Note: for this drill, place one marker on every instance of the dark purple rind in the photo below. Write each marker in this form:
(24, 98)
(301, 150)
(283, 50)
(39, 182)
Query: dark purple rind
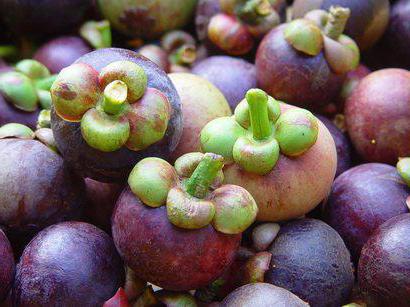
(10, 114)
(61, 52)
(384, 266)
(310, 259)
(37, 185)
(68, 264)
(362, 199)
(115, 166)
(232, 76)
(6, 266)
(165, 255)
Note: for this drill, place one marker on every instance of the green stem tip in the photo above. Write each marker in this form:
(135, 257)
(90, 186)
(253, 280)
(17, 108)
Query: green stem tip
(336, 24)
(258, 111)
(204, 175)
(115, 95)
(97, 33)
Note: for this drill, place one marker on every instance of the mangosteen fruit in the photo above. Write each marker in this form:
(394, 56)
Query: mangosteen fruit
(157, 55)
(112, 108)
(6, 266)
(179, 227)
(70, 263)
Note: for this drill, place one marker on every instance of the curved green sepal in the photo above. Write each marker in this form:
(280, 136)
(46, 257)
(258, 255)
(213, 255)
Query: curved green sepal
(151, 179)
(45, 83)
(104, 132)
(235, 209)
(97, 33)
(44, 119)
(296, 131)
(19, 90)
(14, 130)
(32, 69)
(304, 36)
(44, 97)
(403, 167)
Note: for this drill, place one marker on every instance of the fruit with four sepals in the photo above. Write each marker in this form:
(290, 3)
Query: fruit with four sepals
(70, 263)
(7, 266)
(201, 102)
(305, 61)
(111, 109)
(178, 227)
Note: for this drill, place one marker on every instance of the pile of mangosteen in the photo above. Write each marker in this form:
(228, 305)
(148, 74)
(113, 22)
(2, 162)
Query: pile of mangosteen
(226, 153)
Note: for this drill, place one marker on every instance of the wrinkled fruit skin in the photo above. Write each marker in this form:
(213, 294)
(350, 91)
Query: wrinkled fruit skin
(36, 188)
(201, 103)
(168, 256)
(68, 264)
(10, 114)
(343, 146)
(295, 185)
(234, 80)
(384, 266)
(310, 259)
(146, 18)
(377, 116)
(115, 166)
(287, 75)
(6, 266)
(367, 22)
(357, 203)
(43, 16)
(61, 52)
(262, 294)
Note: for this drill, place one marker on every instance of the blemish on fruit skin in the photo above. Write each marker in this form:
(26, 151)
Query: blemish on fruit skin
(65, 92)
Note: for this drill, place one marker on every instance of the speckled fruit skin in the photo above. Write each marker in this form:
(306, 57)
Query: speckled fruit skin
(43, 16)
(378, 116)
(61, 52)
(10, 114)
(6, 266)
(343, 146)
(310, 259)
(36, 188)
(115, 166)
(295, 185)
(165, 255)
(367, 22)
(384, 266)
(201, 103)
(262, 294)
(232, 76)
(146, 18)
(362, 199)
(68, 264)
(289, 75)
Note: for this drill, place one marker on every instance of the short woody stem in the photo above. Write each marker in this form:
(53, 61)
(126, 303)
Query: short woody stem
(184, 55)
(258, 109)
(115, 95)
(204, 175)
(336, 24)
(251, 10)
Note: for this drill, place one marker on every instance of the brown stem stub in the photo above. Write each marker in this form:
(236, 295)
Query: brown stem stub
(336, 24)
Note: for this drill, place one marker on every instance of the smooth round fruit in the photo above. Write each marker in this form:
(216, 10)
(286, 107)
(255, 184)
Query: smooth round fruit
(378, 116)
(232, 76)
(61, 52)
(262, 294)
(384, 266)
(201, 103)
(310, 259)
(170, 257)
(6, 266)
(67, 264)
(115, 166)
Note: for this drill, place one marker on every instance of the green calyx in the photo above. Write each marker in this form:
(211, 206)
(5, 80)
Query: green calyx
(192, 193)
(14, 130)
(115, 107)
(19, 90)
(32, 69)
(258, 132)
(304, 36)
(251, 10)
(44, 119)
(403, 167)
(97, 33)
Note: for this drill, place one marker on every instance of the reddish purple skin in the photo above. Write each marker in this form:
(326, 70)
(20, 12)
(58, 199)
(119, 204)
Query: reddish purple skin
(205, 10)
(10, 114)
(362, 199)
(291, 76)
(343, 146)
(310, 259)
(378, 116)
(36, 188)
(165, 255)
(115, 166)
(6, 266)
(232, 76)
(68, 264)
(61, 52)
(384, 266)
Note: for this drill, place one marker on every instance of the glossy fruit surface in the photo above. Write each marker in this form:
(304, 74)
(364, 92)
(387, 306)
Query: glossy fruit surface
(6, 266)
(70, 263)
(384, 265)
